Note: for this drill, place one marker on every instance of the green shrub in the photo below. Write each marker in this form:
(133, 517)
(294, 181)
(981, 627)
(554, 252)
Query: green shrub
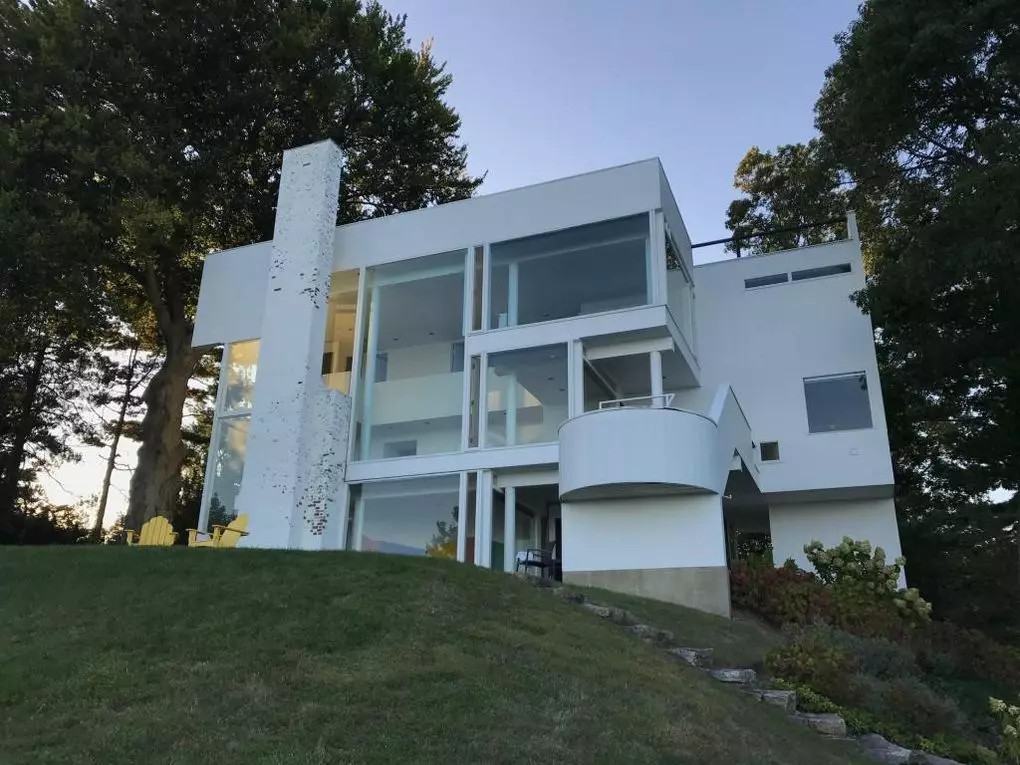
(874, 656)
(947, 650)
(1009, 721)
(810, 658)
(862, 574)
(908, 704)
(780, 595)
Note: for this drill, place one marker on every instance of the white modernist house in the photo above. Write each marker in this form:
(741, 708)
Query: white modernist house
(543, 368)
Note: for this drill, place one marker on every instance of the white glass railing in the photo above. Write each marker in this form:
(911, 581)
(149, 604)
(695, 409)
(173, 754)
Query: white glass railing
(655, 401)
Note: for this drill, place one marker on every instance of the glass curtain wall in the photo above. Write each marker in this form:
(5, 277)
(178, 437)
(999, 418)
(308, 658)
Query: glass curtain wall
(578, 271)
(230, 431)
(412, 367)
(416, 516)
(338, 350)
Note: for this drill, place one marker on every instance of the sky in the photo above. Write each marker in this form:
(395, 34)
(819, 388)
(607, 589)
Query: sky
(551, 88)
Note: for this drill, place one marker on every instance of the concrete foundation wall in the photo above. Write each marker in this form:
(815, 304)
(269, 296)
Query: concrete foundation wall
(706, 588)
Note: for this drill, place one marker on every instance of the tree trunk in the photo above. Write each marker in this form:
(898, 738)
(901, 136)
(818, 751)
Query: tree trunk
(156, 483)
(23, 429)
(111, 459)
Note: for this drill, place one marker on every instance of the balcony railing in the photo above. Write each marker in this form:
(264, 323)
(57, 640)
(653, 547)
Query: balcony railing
(655, 401)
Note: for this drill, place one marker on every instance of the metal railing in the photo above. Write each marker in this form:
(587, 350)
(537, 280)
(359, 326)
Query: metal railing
(621, 403)
(736, 240)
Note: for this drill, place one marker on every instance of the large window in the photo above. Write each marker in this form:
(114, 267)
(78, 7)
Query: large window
(526, 396)
(416, 516)
(338, 350)
(412, 362)
(230, 432)
(599, 267)
(837, 402)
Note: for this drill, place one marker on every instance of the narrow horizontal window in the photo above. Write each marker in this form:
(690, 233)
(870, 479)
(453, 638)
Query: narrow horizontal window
(839, 402)
(765, 281)
(815, 273)
(769, 451)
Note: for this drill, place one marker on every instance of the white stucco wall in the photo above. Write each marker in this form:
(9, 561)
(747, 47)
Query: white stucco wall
(231, 300)
(643, 533)
(293, 484)
(795, 525)
(765, 341)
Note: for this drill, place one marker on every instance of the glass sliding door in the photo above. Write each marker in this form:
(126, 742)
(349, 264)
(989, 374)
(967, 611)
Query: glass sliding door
(414, 516)
(412, 369)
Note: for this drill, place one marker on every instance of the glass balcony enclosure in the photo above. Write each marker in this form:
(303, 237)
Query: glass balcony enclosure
(589, 269)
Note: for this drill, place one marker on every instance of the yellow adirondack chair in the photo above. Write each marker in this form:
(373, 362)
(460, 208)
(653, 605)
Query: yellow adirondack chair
(156, 532)
(221, 536)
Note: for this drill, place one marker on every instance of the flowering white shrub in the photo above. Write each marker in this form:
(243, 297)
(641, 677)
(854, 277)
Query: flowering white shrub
(852, 565)
(1009, 719)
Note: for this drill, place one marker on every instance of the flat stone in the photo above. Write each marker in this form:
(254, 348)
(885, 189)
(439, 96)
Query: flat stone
(602, 611)
(696, 657)
(917, 757)
(785, 700)
(647, 632)
(743, 676)
(883, 750)
(827, 724)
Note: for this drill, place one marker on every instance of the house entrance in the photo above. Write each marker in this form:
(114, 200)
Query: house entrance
(527, 530)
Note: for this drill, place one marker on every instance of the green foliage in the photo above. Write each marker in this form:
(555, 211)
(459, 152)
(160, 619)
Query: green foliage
(1008, 716)
(920, 134)
(146, 134)
(811, 659)
(853, 571)
(783, 189)
(875, 656)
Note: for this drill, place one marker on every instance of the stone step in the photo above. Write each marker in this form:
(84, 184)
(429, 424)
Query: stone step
(882, 750)
(652, 634)
(696, 657)
(827, 724)
(785, 700)
(740, 676)
(616, 615)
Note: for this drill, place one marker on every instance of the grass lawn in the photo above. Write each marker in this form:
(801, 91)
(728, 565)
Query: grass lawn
(126, 655)
(739, 642)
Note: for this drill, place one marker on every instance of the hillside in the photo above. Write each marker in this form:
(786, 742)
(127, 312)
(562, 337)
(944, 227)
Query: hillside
(119, 655)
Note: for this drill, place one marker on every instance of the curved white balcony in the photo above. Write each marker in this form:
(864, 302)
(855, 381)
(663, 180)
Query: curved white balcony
(636, 451)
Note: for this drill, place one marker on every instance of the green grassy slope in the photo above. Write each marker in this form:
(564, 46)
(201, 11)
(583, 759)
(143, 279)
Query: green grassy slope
(118, 655)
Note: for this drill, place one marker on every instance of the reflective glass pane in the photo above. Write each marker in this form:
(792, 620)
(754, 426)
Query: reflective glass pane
(837, 403)
(413, 358)
(527, 395)
(415, 516)
(242, 365)
(228, 468)
(338, 349)
(588, 269)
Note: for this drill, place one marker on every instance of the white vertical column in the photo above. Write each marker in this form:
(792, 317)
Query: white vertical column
(295, 459)
(372, 359)
(509, 528)
(462, 517)
(510, 404)
(655, 366)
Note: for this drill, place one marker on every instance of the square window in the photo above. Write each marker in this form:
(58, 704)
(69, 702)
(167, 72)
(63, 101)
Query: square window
(769, 451)
(837, 402)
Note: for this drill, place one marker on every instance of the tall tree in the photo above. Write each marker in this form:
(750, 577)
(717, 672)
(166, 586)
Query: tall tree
(785, 189)
(174, 114)
(921, 114)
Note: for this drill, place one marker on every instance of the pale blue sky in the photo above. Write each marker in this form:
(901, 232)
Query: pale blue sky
(549, 88)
